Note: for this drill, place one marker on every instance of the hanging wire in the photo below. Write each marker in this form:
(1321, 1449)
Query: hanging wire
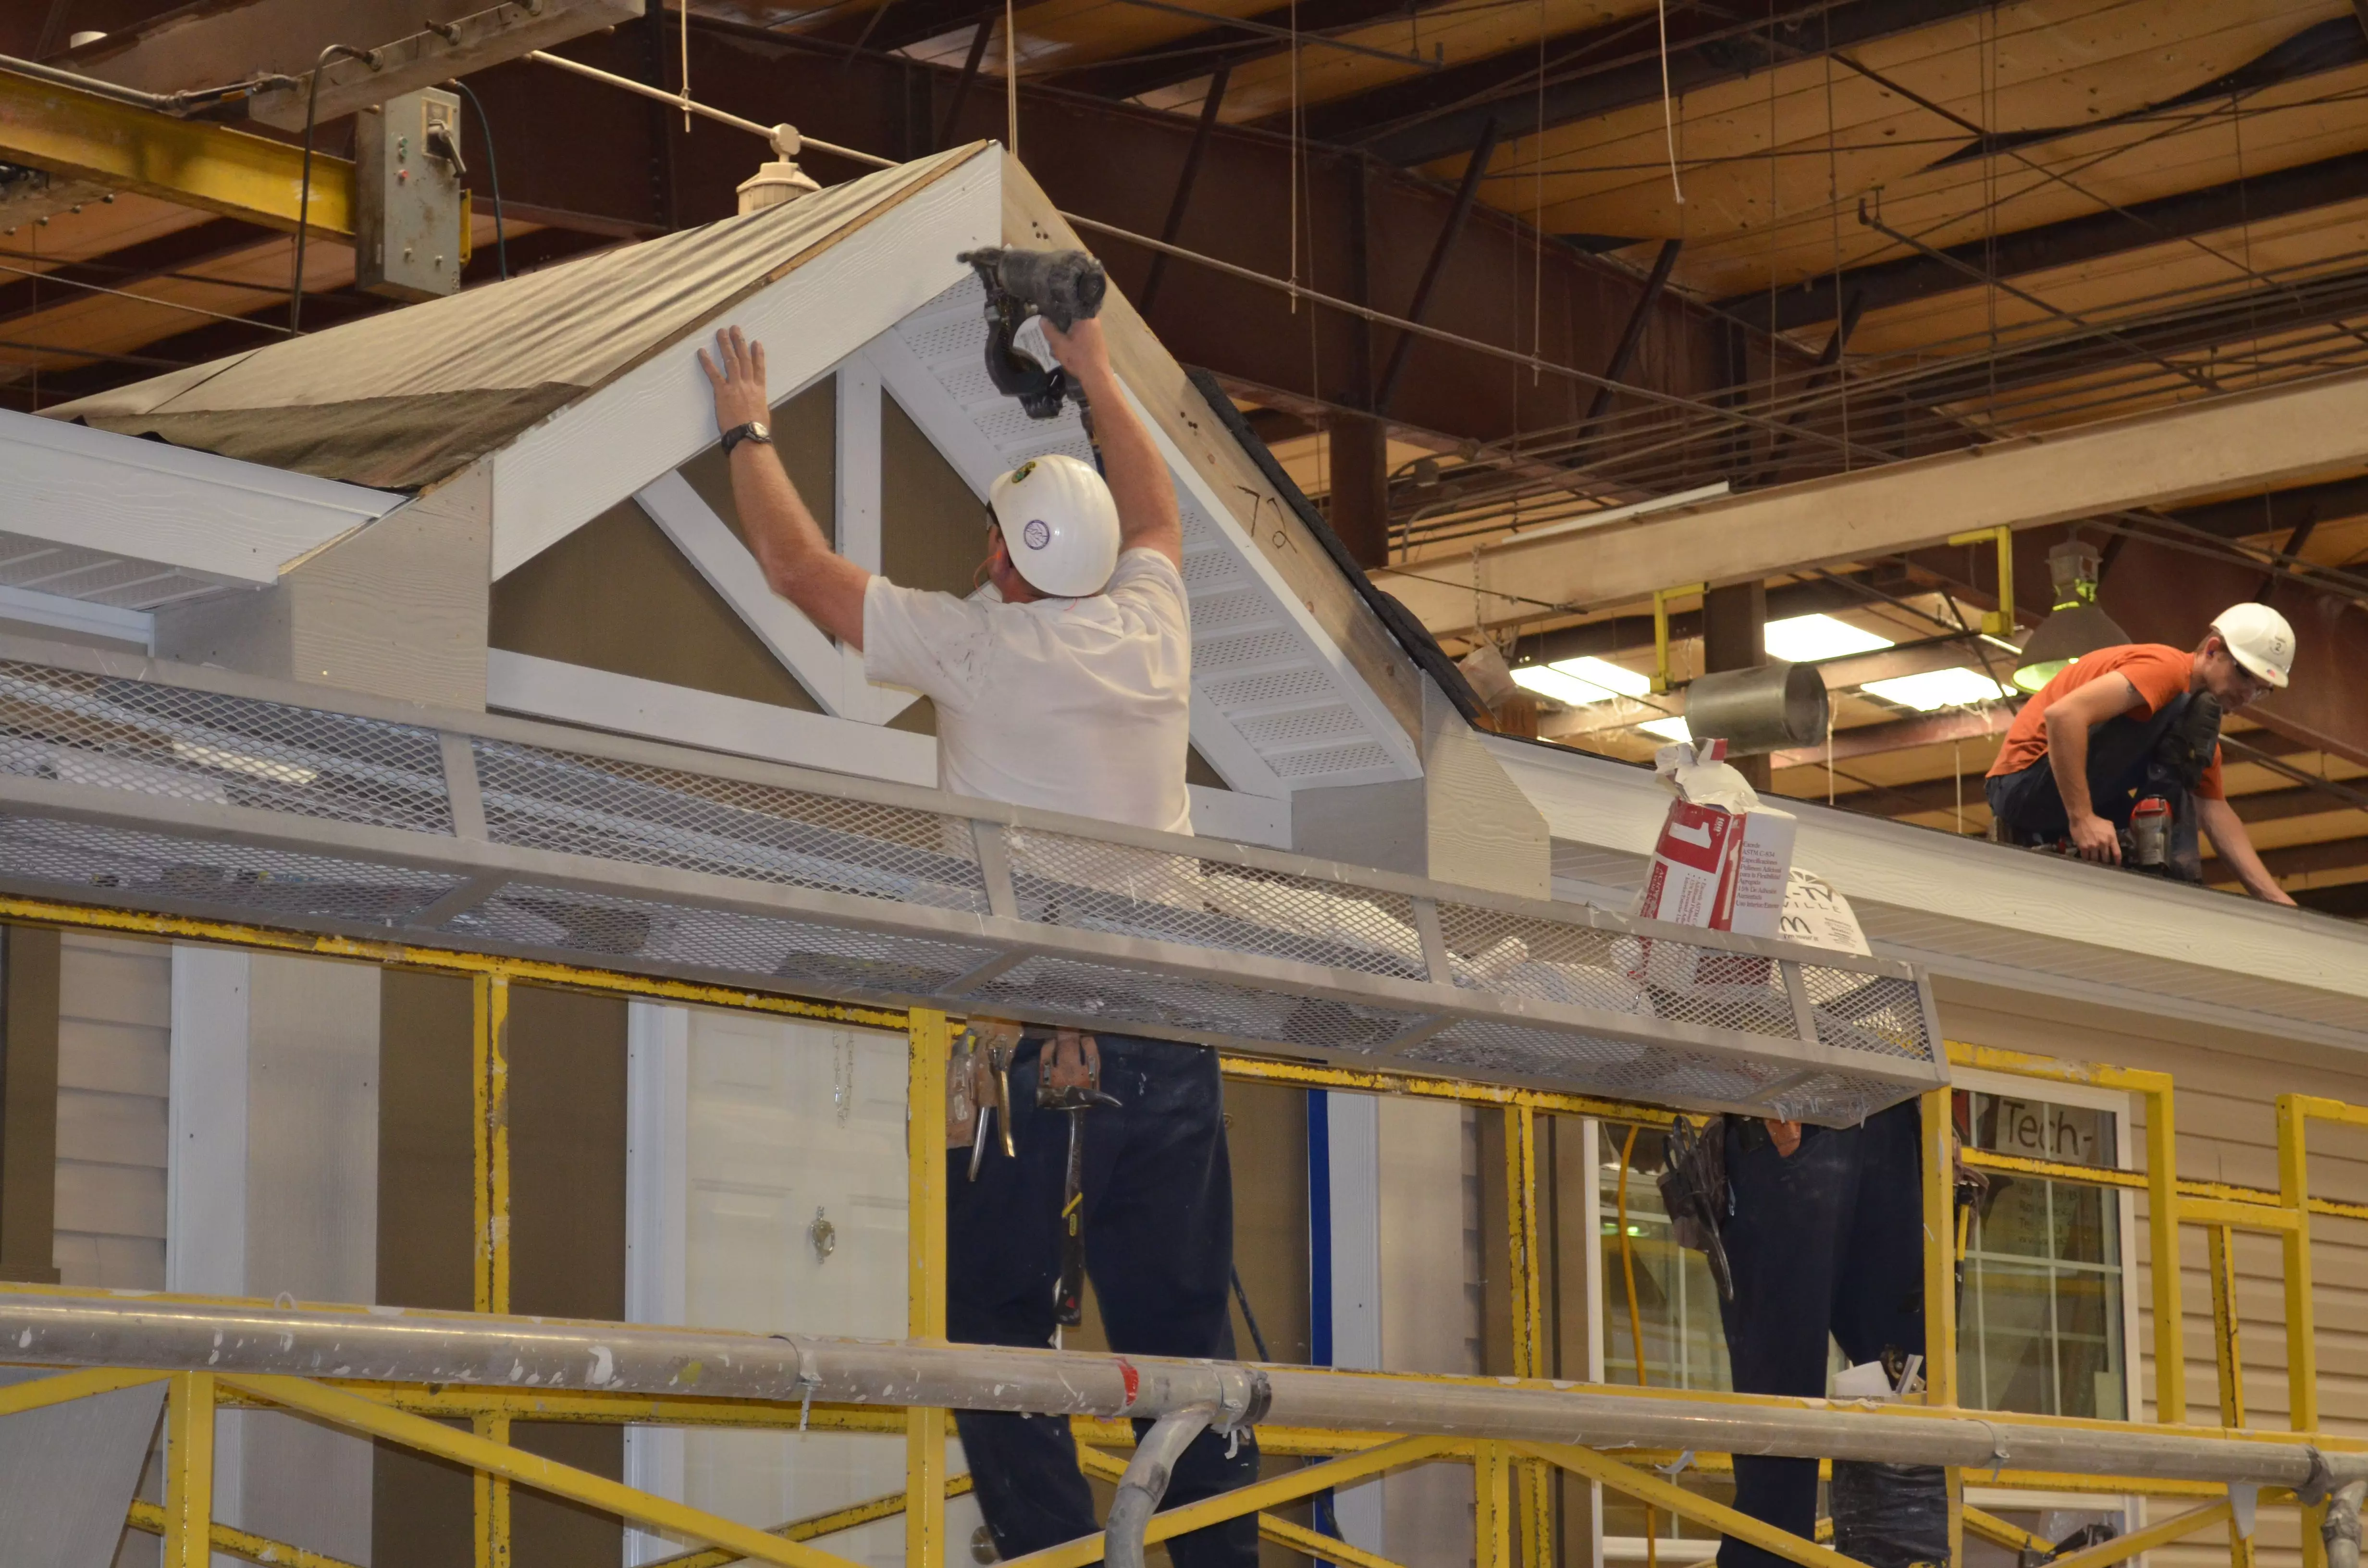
(1538, 210)
(492, 174)
(685, 7)
(1011, 77)
(1297, 163)
(305, 182)
(1668, 119)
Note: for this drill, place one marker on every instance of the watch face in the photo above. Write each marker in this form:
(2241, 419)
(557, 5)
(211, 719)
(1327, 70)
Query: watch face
(759, 431)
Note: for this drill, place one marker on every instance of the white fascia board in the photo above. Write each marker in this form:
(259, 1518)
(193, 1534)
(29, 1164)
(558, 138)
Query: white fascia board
(80, 615)
(216, 517)
(587, 457)
(1381, 725)
(1245, 819)
(573, 694)
(2022, 896)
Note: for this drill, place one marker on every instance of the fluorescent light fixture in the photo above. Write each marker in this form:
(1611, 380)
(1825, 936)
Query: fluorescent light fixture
(1936, 690)
(1554, 686)
(1614, 680)
(240, 762)
(1667, 729)
(1615, 514)
(1803, 639)
(1574, 683)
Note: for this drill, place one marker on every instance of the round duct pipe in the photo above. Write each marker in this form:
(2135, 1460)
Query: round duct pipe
(1766, 709)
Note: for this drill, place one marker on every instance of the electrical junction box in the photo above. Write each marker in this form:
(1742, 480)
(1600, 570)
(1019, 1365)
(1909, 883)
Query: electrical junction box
(408, 205)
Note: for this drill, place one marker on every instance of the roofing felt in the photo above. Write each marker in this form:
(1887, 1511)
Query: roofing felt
(405, 398)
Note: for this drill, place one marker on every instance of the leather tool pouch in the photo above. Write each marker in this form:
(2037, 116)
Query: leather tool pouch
(1071, 1059)
(971, 1079)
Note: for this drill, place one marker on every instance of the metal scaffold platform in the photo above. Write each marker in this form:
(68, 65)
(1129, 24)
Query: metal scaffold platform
(173, 789)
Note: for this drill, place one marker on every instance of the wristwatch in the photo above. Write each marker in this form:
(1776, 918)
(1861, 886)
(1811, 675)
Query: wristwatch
(754, 430)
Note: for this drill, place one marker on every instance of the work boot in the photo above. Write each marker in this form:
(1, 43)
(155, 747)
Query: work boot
(1890, 1515)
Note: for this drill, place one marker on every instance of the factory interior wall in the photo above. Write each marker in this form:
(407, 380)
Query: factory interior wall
(2227, 1084)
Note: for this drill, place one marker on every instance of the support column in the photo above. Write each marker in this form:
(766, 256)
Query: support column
(491, 1129)
(929, 1043)
(189, 1472)
(1358, 448)
(1533, 1489)
(1734, 626)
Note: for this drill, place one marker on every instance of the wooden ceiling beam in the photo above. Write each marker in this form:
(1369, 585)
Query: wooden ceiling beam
(2257, 199)
(1196, 54)
(1593, 73)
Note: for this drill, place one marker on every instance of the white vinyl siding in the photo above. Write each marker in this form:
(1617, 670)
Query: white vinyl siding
(114, 1050)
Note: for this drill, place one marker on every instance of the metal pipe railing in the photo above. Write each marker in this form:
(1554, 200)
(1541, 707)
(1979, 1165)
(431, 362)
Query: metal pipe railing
(382, 1343)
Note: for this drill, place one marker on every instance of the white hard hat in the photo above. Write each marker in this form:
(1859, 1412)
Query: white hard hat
(2258, 638)
(1059, 525)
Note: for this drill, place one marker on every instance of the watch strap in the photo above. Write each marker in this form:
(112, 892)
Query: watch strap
(754, 430)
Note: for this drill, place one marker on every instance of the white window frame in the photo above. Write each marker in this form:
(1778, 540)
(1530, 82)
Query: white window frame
(2124, 1106)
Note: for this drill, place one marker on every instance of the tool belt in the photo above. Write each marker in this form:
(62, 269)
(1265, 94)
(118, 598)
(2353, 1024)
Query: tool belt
(978, 1084)
(1694, 1191)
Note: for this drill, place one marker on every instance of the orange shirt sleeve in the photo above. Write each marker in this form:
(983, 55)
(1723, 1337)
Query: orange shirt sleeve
(2158, 677)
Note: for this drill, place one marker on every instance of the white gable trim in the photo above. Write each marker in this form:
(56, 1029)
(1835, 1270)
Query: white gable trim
(573, 694)
(828, 674)
(588, 457)
(200, 513)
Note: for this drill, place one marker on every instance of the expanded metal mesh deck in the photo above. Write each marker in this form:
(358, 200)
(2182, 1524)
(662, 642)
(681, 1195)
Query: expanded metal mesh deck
(191, 791)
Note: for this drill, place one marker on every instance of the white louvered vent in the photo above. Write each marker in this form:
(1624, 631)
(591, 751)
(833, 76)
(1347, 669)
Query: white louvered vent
(1256, 668)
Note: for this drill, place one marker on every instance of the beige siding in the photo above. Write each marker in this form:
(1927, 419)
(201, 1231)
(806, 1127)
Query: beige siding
(2227, 1084)
(114, 1040)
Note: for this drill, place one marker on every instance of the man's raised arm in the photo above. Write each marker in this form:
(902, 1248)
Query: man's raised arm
(1147, 518)
(798, 562)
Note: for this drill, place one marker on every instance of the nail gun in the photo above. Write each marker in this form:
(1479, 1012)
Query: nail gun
(1062, 286)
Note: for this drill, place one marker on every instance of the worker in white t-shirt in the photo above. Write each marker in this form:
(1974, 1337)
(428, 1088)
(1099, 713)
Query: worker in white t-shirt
(1065, 683)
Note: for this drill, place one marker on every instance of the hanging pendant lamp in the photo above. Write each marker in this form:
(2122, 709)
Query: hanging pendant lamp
(2077, 625)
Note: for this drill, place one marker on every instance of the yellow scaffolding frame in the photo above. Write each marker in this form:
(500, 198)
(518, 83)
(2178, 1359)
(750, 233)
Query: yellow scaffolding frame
(1513, 1517)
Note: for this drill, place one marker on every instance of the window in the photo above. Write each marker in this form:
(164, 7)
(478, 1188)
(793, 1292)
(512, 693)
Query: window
(1677, 1303)
(2042, 1321)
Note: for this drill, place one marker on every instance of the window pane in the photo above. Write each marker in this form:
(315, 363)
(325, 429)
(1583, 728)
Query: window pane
(2009, 1333)
(1677, 1303)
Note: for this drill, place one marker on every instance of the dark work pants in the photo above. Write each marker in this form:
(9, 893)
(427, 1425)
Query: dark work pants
(2122, 766)
(1159, 1250)
(1829, 1239)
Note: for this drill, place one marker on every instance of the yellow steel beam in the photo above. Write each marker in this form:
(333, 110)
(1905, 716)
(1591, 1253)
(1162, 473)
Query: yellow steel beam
(886, 1506)
(490, 1155)
(82, 136)
(189, 1472)
(929, 1044)
(1307, 1479)
(1937, 1123)
(403, 955)
(2013, 1536)
(229, 1542)
(42, 1392)
(2121, 1547)
(2222, 1212)
(1491, 1508)
(1272, 1527)
(1649, 1488)
(1534, 1502)
(1419, 1085)
(358, 1415)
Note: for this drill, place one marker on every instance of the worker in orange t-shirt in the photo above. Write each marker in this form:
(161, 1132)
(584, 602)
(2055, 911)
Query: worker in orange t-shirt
(2123, 724)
